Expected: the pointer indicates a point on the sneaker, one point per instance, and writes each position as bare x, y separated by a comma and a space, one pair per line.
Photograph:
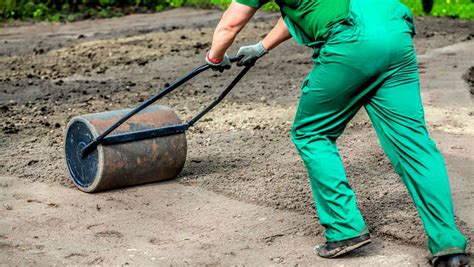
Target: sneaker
337, 248
451, 260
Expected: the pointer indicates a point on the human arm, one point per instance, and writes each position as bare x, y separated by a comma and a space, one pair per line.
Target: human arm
231, 23
277, 35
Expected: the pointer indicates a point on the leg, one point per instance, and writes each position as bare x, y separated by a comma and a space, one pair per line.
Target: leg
330, 98
397, 114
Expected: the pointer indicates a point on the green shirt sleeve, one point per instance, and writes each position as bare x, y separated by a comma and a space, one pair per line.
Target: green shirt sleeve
252, 3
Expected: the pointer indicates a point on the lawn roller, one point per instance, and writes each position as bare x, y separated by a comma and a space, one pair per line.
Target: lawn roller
128, 147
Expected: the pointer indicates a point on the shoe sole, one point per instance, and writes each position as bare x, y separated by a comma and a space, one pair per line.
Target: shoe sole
351, 248
461, 262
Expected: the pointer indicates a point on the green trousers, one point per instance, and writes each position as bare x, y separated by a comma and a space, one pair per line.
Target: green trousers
369, 61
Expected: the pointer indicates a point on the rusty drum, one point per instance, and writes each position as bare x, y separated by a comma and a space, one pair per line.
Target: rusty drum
124, 164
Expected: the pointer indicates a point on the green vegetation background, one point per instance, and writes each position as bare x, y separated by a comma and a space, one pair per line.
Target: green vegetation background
71, 10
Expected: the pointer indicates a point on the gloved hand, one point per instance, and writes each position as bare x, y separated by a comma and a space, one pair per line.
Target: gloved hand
220, 66
250, 53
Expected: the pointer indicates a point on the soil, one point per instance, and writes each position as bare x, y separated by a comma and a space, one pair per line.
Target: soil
241, 151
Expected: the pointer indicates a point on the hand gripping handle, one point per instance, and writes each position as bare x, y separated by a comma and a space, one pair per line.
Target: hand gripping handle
168, 130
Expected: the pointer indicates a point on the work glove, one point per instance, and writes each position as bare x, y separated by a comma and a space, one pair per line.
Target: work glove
220, 66
250, 54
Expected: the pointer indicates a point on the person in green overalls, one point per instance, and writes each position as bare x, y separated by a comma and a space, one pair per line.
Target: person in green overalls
364, 57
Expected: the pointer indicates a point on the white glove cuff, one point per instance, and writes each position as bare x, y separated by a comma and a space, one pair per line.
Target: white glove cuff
261, 49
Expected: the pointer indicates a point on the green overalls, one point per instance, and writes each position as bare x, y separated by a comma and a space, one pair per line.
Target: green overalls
367, 60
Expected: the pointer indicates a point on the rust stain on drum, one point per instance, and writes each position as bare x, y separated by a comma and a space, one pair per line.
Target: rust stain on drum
142, 161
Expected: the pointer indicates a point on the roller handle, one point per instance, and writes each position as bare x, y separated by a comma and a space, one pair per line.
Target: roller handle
164, 130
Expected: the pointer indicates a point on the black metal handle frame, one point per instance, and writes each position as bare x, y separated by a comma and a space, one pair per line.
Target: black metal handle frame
104, 139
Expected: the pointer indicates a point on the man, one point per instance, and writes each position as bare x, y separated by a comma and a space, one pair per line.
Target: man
364, 56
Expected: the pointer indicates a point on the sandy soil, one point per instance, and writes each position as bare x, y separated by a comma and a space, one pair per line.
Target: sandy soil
241, 151
164, 224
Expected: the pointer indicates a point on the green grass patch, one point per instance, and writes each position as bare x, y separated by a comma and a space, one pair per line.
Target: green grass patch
70, 10
463, 9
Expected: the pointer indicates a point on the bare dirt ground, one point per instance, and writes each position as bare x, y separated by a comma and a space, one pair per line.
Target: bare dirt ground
243, 196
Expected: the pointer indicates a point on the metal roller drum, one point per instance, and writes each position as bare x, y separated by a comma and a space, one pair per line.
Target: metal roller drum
124, 164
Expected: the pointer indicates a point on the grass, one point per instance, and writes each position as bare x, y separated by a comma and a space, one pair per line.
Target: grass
71, 10
463, 9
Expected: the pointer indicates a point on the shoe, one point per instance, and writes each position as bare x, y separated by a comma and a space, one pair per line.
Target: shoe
451, 260
337, 248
